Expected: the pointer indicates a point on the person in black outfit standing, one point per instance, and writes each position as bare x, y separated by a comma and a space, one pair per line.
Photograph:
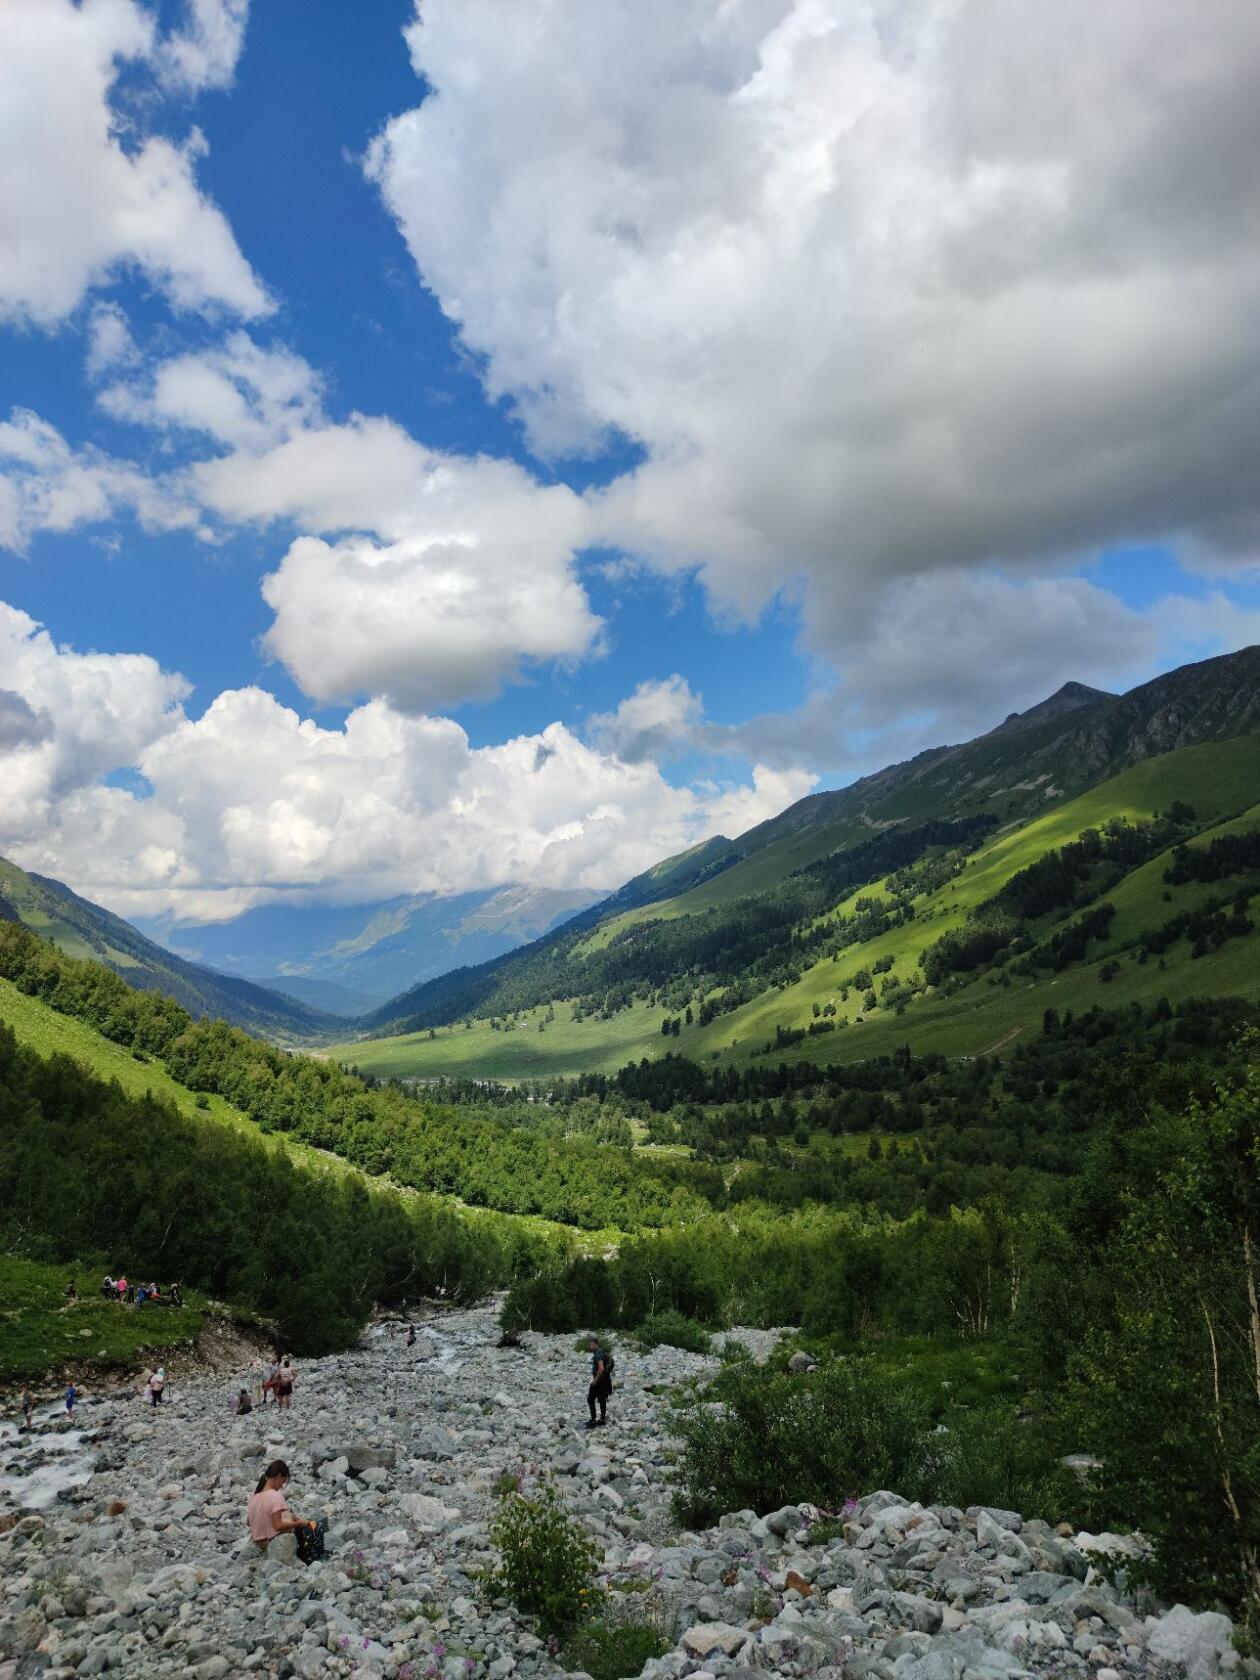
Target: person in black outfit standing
601, 1382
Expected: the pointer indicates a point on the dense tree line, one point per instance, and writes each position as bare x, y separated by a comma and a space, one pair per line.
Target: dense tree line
379, 1128
1133, 1306
87, 1172
1228, 854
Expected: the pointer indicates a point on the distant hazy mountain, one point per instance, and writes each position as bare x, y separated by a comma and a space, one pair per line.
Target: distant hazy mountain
83, 929
349, 959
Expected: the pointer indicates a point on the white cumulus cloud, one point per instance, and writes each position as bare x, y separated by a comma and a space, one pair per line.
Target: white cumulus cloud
83, 192
447, 573
250, 802
879, 286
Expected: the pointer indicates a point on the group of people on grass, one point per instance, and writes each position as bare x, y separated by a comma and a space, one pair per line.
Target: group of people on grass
133, 1294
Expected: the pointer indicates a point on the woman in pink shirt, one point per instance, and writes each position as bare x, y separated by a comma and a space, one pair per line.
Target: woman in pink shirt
267, 1514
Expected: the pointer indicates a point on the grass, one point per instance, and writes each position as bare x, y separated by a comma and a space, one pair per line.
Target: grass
50, 1034
1220, 780
481, 1052
41, 1332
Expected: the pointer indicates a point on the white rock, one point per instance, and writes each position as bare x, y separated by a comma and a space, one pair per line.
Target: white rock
702, 1641
1202, 1643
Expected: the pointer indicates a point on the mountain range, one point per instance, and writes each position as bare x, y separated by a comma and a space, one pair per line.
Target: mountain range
349, 959
738, 918
85, 930
713, 931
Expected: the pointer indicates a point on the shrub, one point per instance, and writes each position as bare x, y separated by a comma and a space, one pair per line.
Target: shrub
616, 1646
673, 1329
547, 1561
994, 1457
821, 1436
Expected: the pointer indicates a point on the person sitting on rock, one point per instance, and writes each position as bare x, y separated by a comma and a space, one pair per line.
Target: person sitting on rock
601, 1382
267, 1515
244, 1403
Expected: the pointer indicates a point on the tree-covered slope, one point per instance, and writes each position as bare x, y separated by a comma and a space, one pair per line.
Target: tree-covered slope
758, 889
862, 939
83, 929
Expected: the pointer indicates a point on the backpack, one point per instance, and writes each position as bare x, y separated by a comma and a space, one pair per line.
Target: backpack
310, 1543
610, 1367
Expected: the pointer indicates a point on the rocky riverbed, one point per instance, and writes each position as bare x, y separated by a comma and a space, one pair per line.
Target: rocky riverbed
142, 1567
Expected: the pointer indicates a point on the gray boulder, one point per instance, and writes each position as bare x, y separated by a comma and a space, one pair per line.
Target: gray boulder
1202, 1644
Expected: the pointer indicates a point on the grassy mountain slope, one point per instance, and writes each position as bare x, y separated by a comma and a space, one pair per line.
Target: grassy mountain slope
1220, 781
1040, 760
82, 929
1074, 740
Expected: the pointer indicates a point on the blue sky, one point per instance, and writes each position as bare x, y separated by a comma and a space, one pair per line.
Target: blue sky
668, 450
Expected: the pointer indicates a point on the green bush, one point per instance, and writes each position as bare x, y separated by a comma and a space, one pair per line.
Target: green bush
547, 1562
672, 1329
823, 1436
995, 1457
614, 1648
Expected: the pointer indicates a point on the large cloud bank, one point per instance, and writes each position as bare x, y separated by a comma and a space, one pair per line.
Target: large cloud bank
879, 287
250, 802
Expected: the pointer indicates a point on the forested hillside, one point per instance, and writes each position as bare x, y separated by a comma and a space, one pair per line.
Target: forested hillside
950, 934
86, 930
951, 929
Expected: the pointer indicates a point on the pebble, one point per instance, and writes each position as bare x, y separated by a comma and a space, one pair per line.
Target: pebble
145, 1569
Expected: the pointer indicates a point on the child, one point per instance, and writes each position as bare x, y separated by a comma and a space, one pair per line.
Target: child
72, 1399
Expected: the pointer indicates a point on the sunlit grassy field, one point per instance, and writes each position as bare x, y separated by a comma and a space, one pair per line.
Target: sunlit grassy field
40, 1330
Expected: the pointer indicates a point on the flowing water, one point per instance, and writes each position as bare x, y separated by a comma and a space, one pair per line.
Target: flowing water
36, 1467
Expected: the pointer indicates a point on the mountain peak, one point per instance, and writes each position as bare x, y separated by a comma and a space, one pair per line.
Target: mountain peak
1070, 698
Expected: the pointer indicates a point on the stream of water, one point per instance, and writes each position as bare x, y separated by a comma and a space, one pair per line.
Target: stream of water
36, 1466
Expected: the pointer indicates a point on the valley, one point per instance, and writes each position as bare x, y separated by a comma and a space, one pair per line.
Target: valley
890, 1089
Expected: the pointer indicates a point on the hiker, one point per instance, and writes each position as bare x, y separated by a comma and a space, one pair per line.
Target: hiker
72, 1399
411, 1335
28, 1407
244, 1403
140, 1296
123, 1290
272, 1384
155, 1385
72, 1291
175, 1295
601, 1382
109, 1287
267, 1515
284, 1384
